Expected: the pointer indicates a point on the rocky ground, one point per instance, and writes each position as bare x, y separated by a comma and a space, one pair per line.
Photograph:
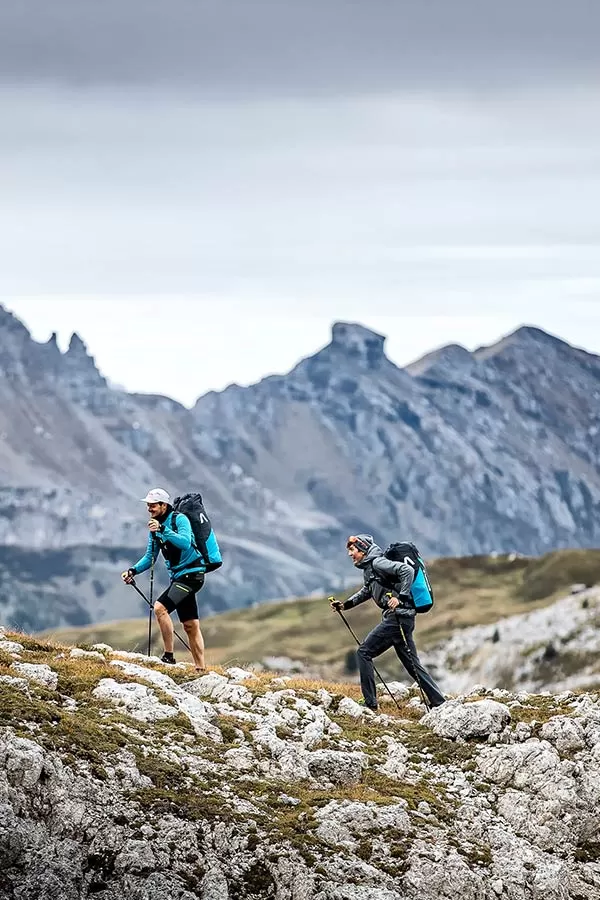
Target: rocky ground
121, 777
556, 648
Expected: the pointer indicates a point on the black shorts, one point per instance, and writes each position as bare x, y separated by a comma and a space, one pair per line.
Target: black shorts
181, 596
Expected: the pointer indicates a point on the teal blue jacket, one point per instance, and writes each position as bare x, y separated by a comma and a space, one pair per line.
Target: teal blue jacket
181, 557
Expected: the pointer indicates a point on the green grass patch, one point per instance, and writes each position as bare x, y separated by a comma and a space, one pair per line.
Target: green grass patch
421, 740
163, 773
6, 660
476, 853
17, 708
194, 803
539, 709
386, 788
558, 571
175, 725
228, 726
83, 737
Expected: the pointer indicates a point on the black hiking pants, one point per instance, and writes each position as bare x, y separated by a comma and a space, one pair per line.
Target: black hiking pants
397, 633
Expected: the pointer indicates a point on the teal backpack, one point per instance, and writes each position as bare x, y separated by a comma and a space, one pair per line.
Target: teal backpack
421, 591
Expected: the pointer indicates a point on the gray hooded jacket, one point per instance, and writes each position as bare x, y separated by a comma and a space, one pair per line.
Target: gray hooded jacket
381, 576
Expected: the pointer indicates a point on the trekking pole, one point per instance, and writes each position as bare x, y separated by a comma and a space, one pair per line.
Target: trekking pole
349, 627
414, 668
151, 603
143, 596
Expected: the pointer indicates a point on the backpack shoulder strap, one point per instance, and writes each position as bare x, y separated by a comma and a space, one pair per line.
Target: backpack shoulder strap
174, 528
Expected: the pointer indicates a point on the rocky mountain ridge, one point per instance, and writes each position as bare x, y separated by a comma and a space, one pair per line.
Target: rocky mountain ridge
463, 452
122, 777
467, 452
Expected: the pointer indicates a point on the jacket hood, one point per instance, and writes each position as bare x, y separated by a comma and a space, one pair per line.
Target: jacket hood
372, 553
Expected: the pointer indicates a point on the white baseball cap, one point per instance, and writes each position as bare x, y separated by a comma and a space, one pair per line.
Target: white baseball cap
156, 495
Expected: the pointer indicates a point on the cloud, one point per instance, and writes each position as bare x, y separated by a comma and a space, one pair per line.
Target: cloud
275, 47
305, 161
402, 194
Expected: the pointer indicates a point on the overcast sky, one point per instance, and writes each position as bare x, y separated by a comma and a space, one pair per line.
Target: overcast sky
234, 175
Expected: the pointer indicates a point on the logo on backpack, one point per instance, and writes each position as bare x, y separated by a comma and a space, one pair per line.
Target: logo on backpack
421, 591
205, 542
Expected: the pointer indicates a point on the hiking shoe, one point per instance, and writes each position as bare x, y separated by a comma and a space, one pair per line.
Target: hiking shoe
363, 702
168, 658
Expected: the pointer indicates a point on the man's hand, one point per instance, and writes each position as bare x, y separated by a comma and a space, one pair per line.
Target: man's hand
153, 525
128, 576
393, 602
337, 605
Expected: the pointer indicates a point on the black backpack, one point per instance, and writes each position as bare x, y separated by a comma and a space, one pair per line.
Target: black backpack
205, 542
421, 591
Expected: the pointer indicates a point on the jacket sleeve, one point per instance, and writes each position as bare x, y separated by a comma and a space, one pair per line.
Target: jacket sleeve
146, 561
182, 538
402, 574
357, 598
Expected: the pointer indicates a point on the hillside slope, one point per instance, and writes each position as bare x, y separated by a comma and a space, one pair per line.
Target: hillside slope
471, 592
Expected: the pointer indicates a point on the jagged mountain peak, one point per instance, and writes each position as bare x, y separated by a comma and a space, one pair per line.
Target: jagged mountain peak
352, 345
10, 324
81, 364
353, 334
525, 337
358, 342
453, 355
51, 352
77, 346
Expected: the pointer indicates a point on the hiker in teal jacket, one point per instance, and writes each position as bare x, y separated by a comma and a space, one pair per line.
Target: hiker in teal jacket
176, 546
186, 571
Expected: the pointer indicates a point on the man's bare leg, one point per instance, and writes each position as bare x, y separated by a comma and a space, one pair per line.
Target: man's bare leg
166, 626
196, 641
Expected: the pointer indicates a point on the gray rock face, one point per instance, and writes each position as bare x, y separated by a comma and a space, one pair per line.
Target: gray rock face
429, 438
564, 733
555, 648
109, 798
462, 452
42, 674
337, 767
12, 647
345, 823
478, 719
140, 701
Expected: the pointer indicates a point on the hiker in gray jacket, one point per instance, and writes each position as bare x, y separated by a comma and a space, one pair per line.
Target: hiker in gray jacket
398, 617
